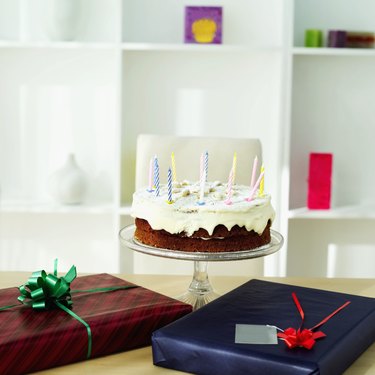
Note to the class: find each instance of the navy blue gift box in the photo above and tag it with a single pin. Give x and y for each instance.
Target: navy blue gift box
(203, 341)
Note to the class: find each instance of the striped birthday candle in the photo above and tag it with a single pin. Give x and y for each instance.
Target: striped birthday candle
(169, 182)
(156, 177)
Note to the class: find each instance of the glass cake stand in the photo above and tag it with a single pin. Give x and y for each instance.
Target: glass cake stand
(200, 291)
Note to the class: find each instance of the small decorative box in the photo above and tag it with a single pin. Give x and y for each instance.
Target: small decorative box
(203, 24)
(313, 38)
(360, 39)
(319, 181)
(337, 39)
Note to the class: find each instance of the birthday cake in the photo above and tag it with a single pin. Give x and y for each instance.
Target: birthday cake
(178, 218)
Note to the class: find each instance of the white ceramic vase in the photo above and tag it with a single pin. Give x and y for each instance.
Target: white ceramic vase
(68, 184)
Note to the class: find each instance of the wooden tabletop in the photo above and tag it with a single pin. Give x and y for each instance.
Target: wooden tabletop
(139, 361)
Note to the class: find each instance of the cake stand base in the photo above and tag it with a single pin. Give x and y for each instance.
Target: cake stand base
(200, 291)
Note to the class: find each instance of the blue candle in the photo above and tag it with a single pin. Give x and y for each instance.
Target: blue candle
(156, 177)
(169, 186)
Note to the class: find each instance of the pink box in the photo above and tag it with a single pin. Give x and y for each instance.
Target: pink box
(319, 181)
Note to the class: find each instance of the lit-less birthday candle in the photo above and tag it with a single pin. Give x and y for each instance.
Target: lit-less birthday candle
(230, 187)
(169, 201)
(156, 177)
(254, 189)
(206, 164)
(261, 185)
(201, 166)
(234, 166)
(202, 186)
(173, 162)
(150, 170)
(255, 165)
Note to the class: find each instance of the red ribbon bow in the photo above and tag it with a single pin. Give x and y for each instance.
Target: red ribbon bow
(305, 338)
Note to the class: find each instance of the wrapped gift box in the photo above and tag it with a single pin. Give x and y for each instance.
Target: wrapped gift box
(119, 320)
(204, 342)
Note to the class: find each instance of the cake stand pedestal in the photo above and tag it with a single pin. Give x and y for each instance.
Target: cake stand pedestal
(200, 291)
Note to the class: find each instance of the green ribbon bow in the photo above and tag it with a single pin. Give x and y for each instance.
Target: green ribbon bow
(42, 291)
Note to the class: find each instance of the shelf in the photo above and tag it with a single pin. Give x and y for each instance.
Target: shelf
(345, 212)
(53, 208)
(162, 21)
(302, 51)
(176, 47)
(56, 45)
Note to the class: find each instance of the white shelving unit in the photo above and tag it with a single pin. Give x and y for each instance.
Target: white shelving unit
(127, 72)
(58, 97)
(331, 111)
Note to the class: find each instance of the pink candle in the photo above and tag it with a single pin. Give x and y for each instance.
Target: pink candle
(230, 187)
(252, 192)
(255, 165)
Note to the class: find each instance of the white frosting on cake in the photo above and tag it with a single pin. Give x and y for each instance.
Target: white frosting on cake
(186, 215)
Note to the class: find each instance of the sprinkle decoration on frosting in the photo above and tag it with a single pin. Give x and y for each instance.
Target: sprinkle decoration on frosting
(203, 205)
(184, 215)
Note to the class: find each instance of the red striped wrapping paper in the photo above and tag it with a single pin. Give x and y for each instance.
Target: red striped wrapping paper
(119, 320)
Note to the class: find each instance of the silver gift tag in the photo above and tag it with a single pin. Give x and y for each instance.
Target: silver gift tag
(255, 334)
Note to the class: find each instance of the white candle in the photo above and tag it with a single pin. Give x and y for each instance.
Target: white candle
(203, 183)
(201, 167)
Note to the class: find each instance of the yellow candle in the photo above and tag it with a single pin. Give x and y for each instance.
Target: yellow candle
(261, 185)
(234, 166)
(174, 176)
